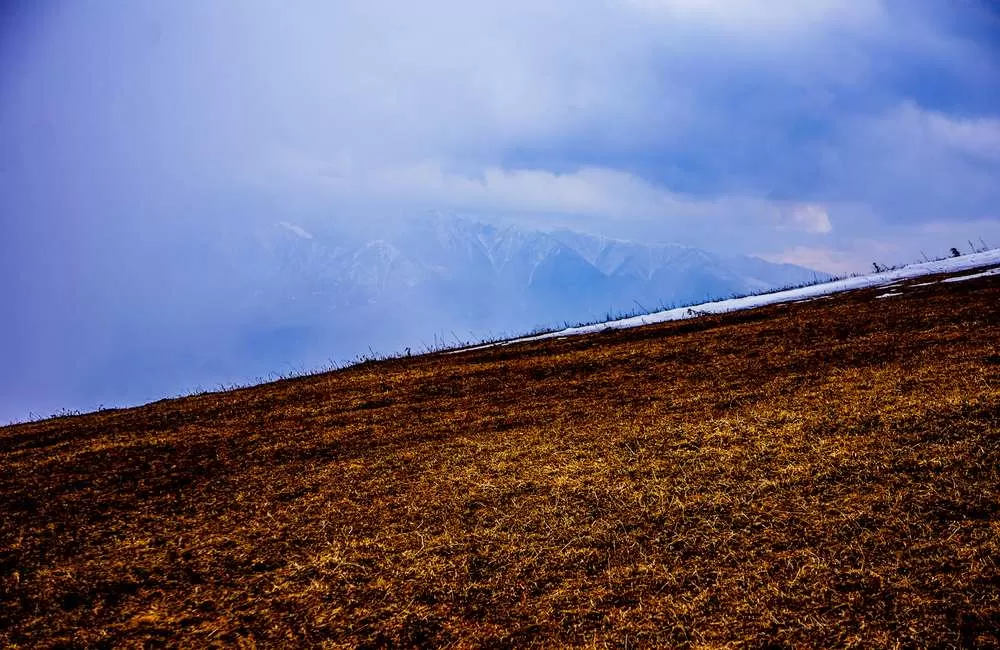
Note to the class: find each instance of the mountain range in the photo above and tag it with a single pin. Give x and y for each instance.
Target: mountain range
(205, 305)
(445, 278)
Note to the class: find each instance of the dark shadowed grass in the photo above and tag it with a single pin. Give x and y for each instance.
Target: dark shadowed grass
(816, 474)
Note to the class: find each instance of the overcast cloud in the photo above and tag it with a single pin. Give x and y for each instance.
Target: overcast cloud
(649, 117)
(829, 133)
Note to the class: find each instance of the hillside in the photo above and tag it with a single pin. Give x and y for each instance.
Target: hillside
(822, 473)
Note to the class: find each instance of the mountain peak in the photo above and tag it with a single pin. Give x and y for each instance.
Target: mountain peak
(298, 230)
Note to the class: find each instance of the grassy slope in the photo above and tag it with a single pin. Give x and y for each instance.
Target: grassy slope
(825, 473)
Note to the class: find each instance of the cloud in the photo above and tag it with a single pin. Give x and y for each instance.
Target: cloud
(855, 258)
(913, 164)
(811, 218)
(588, 191)
(666, 118)
(749, 16)
(976, 137)
(887, 245)
(590, 198)
(832, 133)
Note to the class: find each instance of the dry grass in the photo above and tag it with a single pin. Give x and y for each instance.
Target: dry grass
(818, 474)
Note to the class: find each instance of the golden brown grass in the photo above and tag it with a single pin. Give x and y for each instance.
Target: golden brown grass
(817, 474)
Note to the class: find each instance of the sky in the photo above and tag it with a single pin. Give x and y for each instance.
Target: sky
(820, 132)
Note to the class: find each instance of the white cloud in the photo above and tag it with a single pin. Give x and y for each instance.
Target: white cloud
(939, 132)
(810, 218)
(679, 116)
(772, 16)
(839, 261)
(589, 195)
(978, 137)
(892, 246)
(590, 191)
(917, 165)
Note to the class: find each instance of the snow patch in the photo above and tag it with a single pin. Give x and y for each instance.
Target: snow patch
(963, 278)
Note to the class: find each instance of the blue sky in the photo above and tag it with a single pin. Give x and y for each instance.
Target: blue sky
(826, 133)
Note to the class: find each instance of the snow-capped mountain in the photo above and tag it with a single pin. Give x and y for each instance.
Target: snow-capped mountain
(249, 299)
(302, 293)
(499, 277)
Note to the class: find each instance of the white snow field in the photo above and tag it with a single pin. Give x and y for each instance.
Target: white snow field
(949, 265)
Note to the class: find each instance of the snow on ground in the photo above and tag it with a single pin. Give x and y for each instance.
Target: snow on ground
(963, 278)
(895, 276)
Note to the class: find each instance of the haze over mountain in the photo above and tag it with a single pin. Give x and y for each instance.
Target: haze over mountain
(442, 275)
(280, 296)
(201, 192)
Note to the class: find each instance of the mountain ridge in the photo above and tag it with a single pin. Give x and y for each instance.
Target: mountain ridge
(435, 248)
(283, 291)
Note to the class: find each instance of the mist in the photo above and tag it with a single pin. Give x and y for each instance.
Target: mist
(150, 151)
